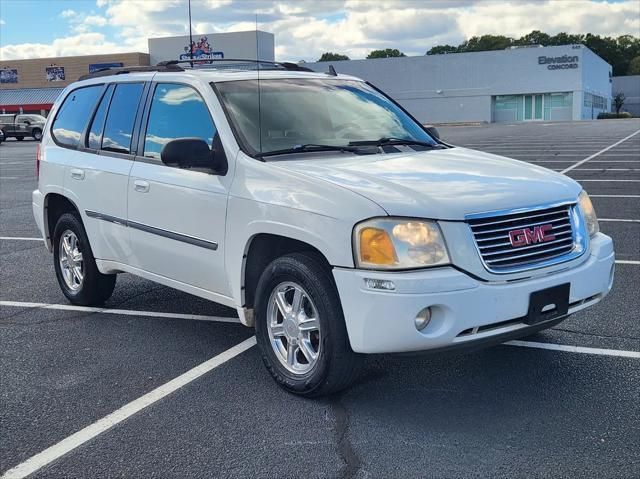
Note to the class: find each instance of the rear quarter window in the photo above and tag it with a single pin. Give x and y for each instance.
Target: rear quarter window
(74, 114)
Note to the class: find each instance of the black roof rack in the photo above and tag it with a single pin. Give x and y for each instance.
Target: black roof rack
(209, 63)
(104, 72)
(174, 66)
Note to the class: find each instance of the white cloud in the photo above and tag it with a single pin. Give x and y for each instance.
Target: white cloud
(68, 13)
(82, 44)
(306, 28)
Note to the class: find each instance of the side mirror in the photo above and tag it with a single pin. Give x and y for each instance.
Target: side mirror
(195, 153)
(433, 131)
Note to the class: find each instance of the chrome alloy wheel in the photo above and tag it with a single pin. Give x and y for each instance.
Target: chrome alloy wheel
(70, 259)
(294, 327)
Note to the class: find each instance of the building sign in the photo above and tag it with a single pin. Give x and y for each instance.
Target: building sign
(8, 75)
(565, 62)
(94, 67)
(54, 73)
(201, 50)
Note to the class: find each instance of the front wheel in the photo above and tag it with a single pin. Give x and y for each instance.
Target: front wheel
(300, 327)
(75, 266)
(37, 134)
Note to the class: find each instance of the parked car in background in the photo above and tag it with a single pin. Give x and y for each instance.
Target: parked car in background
(316, 206)
(22, 126)
(1, 136)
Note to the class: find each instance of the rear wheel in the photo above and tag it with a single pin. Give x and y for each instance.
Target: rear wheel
(37, 134)
(300, 327)
(75, 266)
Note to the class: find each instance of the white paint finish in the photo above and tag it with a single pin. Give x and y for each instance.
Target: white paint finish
(19, 238)
(384, 322)
(581, 162)
(443, 184)
(576, 349)
(121, 312)
(76, 440)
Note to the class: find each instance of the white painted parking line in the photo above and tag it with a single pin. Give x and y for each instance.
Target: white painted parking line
(19, 238)
(619, 220)
(122, 312)
(614, 196)
(617, 181)
(581, 162)
(607, 169)
(76, 440)
(576, 349)
(627, 261)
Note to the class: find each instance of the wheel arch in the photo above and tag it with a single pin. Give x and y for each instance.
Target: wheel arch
(260, 250)
(55, 205)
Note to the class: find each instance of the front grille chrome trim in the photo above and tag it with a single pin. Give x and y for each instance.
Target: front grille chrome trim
(500, 258)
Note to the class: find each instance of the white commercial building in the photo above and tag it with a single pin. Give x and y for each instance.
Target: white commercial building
(521, 84)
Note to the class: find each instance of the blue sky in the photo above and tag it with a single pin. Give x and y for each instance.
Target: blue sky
(303, 28)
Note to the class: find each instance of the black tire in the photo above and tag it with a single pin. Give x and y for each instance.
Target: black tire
(19, 138)
(95, 287)
(37, 134)
(337, 366)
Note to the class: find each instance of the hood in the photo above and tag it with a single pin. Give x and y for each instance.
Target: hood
(440, 184)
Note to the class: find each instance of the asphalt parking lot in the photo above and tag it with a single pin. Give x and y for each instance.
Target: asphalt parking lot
(565, 403)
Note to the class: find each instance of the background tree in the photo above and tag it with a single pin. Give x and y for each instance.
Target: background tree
(386, 53)
(618, 52)
(332, 57)
(634, 66)
(618, 101)
(440, 49)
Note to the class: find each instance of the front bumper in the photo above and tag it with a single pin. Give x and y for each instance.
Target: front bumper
(465, 310)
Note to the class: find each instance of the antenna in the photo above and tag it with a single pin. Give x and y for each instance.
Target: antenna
(259, 94)
(190, 36)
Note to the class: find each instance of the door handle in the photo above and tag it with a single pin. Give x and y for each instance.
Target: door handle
(77, 174)
(141, 186)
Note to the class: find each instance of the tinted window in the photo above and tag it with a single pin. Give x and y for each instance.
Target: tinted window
(118, 129)
(74, 115)
(177, 111)
(95, 133)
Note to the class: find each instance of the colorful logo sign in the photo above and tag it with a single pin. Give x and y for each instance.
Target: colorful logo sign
(201, 51)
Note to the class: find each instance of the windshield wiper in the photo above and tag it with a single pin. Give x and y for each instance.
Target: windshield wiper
(384, 141)
(309, 148)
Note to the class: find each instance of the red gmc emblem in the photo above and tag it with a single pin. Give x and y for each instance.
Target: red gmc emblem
(526, 236)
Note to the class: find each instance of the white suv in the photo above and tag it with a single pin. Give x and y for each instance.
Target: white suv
(317, 207)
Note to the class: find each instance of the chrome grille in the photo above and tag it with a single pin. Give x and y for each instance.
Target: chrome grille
(491, 234)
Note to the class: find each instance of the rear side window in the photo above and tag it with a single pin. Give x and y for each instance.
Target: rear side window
(177, 111)
(73, 116)
(97, 125)
(118, 129)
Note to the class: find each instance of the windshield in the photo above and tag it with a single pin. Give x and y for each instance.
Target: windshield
(296, 112)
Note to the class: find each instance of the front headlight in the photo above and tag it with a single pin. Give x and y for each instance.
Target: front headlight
(387, 243)
(588, 213)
